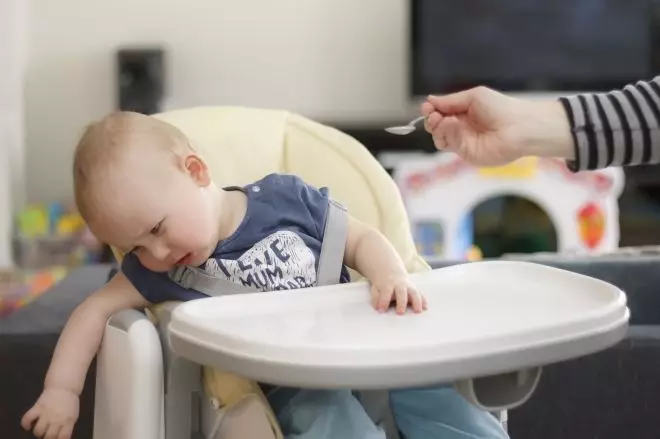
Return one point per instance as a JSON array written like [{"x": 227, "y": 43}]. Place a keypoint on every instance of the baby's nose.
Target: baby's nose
[{"x": 160, "y": 252}]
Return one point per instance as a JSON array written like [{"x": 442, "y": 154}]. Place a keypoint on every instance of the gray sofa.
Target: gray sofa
[
  {"x": 613, "y": 394},
  {"x": 27, "y": 340}
]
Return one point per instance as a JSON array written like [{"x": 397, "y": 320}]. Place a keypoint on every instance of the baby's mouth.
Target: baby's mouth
[{"x": 185, "y": 259}]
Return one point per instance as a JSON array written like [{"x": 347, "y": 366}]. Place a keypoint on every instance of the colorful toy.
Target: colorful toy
[
  {"x": 19, "y": 288},
  {"x": 33, "y": 221},
  {"x": 592, "y": 224},
  {"x": 53, "y": 234},
  {"x": 54, "y": 219},
  {"x": 442, "y": 190}
]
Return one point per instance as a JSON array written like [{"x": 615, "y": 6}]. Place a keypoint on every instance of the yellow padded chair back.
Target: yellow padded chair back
[{"x": 243, "y": 144}]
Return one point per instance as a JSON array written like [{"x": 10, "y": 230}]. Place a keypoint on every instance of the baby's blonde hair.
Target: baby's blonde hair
[{"x": 107, "y": 140}]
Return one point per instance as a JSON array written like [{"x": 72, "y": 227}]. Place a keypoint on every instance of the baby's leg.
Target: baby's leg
[
  {"x": 321, "y": 414},
  {"x": 441, "y": 413}
]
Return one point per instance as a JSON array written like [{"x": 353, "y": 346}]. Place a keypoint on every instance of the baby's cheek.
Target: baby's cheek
[
  {"x": 183, "y": 239},
  {"x": 198, "y": 229},
  {"x": 197, "y": 237}
]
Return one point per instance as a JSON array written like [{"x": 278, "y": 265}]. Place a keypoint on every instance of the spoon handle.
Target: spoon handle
[{"x": 417, "y": 120}]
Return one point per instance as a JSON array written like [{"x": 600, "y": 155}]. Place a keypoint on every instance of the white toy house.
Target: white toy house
[{"x": 443, "y": 189}]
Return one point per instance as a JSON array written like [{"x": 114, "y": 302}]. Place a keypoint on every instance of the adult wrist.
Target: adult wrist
[{"x": 548, "y": 131}]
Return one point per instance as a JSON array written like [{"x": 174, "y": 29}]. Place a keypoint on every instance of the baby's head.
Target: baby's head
[{"x": 141, "y": 187}]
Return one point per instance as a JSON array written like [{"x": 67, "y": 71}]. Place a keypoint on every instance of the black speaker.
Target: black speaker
[
  {"x": 140, "y": 79},
  {"x": 654, "y": 38}
]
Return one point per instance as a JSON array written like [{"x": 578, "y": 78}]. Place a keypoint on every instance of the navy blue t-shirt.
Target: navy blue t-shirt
[{"x": 276, "y": 246}]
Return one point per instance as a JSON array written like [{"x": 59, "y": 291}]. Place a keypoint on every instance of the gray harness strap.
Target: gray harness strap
[
  {"x": 194, "y": 278},
  {"x": 328, "y": 271},
  {"x": 331, "y": 258}
]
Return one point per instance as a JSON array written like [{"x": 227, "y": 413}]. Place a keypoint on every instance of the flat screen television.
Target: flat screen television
[{"x": 532, "y": 45}]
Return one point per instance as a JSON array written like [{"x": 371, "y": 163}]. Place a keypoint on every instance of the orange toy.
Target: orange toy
[
  {"x": 18, "y": 289},
  {"x": 591, "y": 222}
]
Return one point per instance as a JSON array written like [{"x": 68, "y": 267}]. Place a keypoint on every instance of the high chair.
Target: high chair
[{"x": 190, "y": 370}]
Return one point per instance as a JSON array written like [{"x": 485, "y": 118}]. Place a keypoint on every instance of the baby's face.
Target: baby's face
[{"x": 160, "y": 209}]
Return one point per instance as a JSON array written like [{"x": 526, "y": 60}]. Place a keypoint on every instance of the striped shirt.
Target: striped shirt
[{"x": 616, "y": 128}]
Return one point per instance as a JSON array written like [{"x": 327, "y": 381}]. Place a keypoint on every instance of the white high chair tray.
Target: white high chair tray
[{"x": 483, "y": 318}]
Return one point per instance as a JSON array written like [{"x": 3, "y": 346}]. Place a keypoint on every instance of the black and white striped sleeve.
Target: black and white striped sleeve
[{"x": 617, "y": 128}]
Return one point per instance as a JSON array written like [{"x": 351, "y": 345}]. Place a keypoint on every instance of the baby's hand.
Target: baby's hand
[
  {"x": 399, "y": 288},
  {"x": 53, "y": 415}
]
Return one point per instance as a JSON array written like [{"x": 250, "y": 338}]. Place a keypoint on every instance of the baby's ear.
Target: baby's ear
[{"x": 197, "y": 169}]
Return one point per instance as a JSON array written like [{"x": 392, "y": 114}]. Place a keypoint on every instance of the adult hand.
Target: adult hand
[{"x": 488, "y": 128}]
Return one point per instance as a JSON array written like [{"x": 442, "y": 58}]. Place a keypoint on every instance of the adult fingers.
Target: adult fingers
[
  {"x": 447, "y": 134},
  {"x": 426, "y": 108},
  {"x": 454, "y": 103},
  {"x": 432, "y": 121}
]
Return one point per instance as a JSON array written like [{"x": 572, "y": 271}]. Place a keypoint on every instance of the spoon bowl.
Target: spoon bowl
[
  {"x": 401, "y": 130},
  {"x": 405, "y": 129}
]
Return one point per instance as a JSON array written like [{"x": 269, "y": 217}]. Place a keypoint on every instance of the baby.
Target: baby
[{"x": 143, "y": 189}]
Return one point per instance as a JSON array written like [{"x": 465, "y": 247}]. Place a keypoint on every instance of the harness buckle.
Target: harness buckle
[{"x": 182, "y": 276}]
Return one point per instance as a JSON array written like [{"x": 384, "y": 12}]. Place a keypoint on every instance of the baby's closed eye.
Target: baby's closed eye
[{"x": 157, "y": 228}]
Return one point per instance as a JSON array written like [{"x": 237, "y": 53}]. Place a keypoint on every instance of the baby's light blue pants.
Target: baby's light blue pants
[{"x": 425, "y": 413}]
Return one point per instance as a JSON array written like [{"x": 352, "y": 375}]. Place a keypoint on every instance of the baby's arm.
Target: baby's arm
[
  {"x": 371, "y": 254},
  {"x": 56, "y": 411}
]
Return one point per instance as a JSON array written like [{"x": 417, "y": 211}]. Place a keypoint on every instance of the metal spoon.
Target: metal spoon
[{"x": 405, "y": 129}]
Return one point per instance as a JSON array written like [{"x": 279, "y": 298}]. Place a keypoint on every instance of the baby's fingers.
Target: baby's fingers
[
  {"x": 41, "y": 427},
  {"x": 384, "y": 299},
  {"x": 379, "y": 301},
  {"x": 53, "y": 431},
  {"x": 401, "y": 292},
  {"x": 28, "y": 418},
  {"x": 66, "y": 431},
  {"x": 374, "y": 296},
  {"x": 417, "y": 300}
]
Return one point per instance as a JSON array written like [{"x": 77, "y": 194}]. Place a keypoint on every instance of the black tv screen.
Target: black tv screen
[{"x": 530, "y": 45}]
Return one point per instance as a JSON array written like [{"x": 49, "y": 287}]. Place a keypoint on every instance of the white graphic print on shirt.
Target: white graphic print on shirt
[{"x": 281, "y": 261}]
